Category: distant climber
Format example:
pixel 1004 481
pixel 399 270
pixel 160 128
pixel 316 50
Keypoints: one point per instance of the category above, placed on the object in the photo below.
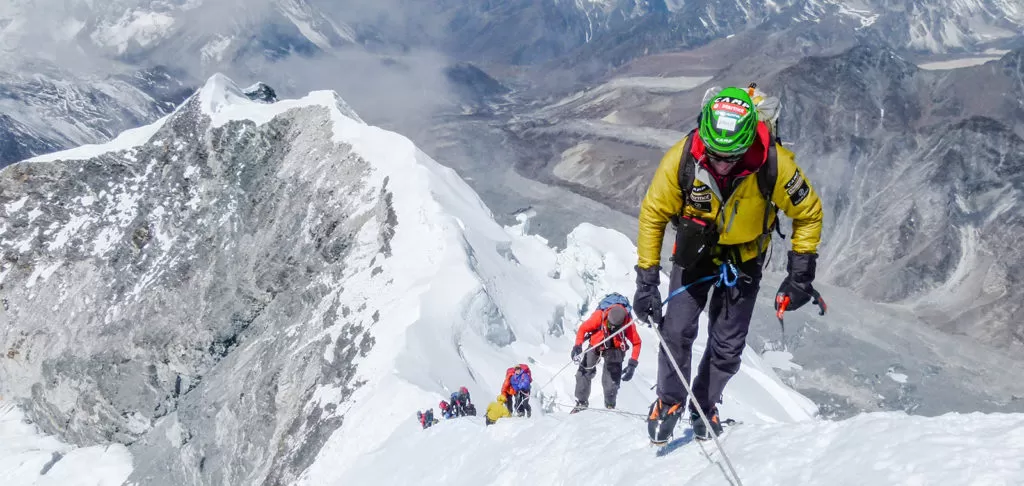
pixel 426 418
pixel 446 410
pixel 496 410
pixel 604 322
pixel 460 404
pixel 517 389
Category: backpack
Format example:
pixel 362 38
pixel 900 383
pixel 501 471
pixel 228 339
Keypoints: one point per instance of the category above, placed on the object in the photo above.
pixel 511 373
pixel 520 382
pixel 615 298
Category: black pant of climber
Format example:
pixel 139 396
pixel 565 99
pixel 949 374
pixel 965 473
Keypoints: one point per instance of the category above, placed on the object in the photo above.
pixel 611 378
pixel 519 403
pixel 729 315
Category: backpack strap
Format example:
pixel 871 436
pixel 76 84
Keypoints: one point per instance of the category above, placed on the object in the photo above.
pixel 687 170
pixel 686 174
pixel 767 176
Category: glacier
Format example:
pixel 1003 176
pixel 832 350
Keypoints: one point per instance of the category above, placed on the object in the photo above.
pixel 252 293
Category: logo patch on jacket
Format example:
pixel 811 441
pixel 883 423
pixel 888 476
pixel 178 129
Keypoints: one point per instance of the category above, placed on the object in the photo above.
pixel 797 188
pixel 700 198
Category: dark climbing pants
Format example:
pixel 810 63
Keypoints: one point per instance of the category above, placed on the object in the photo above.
pixel 728 322
pixel 610 379
pixel 519 403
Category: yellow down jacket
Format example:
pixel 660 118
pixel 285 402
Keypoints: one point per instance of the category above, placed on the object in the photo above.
pixel 497 410
pixel 740 218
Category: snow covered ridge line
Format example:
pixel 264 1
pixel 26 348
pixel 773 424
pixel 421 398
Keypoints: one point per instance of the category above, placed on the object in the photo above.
pixel 293 248
pixel 223 101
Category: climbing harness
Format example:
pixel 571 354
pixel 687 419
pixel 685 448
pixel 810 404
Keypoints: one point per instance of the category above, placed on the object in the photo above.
pixel 721 278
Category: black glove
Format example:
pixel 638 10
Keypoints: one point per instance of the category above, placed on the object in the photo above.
pixel 797 285
pixel 577 350
pixel 627 374
pixel 647 300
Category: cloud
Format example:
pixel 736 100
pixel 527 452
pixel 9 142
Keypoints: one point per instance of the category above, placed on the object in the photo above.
pixel 401 79
pixel 397 91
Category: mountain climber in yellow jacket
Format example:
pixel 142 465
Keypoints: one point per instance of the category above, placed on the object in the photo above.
pixel 497 410
pixel 716 185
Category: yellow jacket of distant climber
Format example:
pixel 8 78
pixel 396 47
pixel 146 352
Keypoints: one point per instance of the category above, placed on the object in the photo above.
pixel 740 218
pixel 497 410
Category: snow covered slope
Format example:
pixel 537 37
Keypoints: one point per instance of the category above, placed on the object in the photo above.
pixel 600 448
pixel 541 295
pixel 28 457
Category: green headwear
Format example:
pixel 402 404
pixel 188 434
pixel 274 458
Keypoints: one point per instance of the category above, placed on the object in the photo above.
pixel 728 122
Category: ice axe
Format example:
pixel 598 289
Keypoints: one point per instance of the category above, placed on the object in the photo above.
pixel 782 302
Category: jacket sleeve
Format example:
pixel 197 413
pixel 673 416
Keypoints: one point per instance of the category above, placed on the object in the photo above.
pixel 634 339
pixel 506 385
pixel 794 196
pixel 592 324
pixel 663 200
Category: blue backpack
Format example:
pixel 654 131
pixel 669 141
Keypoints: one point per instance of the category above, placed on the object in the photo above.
pixel 615 298
pixel 520 381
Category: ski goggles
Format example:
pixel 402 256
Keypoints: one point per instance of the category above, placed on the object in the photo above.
pixel 725 159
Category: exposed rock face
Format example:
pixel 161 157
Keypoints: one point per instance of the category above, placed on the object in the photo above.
pixel 47 108
pixel 261 92
pixel 196 278
pixel 921 174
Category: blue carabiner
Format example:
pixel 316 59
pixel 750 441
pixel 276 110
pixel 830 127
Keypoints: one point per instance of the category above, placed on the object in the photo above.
pixel 724 276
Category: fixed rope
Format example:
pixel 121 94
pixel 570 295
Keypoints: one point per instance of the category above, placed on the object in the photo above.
pixel 576 361
pixel 728 275
pixel 692 400
pixel 606 410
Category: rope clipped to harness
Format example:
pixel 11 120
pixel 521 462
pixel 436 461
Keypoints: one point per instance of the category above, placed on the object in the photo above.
pixel 721 278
